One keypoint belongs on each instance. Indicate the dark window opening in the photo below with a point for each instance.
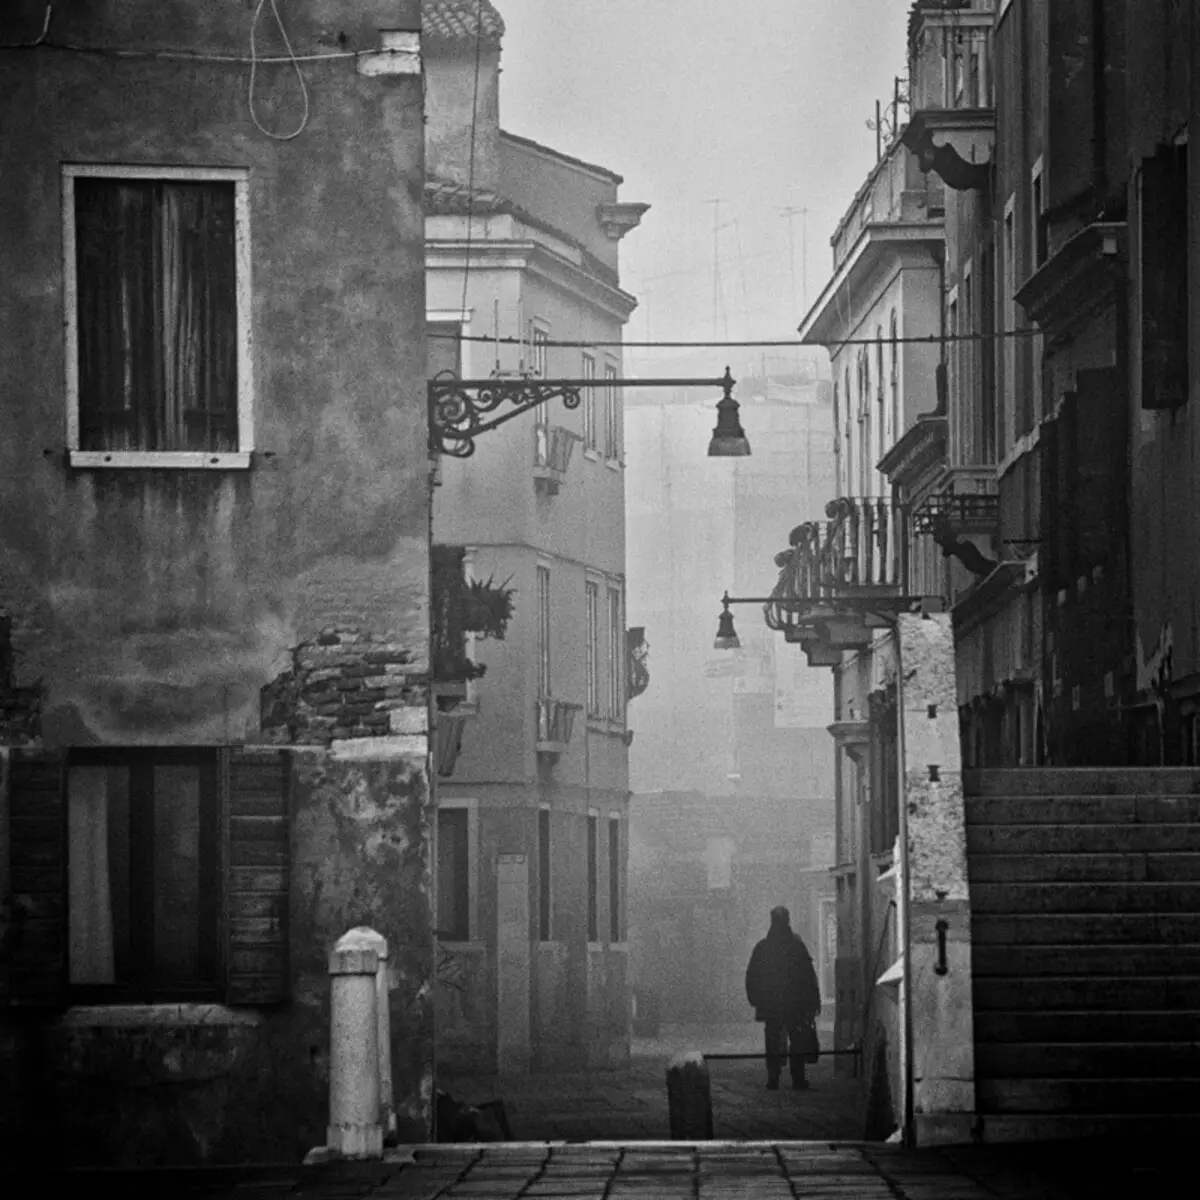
(143, 874)
(616, 924)
(545, 931)
(453, 882)
(593, 879)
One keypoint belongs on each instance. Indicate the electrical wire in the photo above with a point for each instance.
(45, 42)
(279, 137)
(471, 161)
(918, 339)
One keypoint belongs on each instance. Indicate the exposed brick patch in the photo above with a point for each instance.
(343, 684)
(20, 707)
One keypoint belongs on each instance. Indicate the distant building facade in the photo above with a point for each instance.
(728, 745)
(532, 811)
(213, 576)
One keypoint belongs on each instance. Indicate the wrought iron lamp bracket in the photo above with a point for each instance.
(461, 409)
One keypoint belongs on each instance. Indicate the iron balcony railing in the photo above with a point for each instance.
(854, 554)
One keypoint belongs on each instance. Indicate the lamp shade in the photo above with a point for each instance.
(729, 438)
(727, 638)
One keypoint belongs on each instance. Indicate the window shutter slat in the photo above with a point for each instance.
(258, 876)
(36, 937)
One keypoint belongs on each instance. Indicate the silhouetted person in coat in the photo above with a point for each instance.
(782, 986)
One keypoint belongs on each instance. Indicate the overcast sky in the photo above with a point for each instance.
(762, 104)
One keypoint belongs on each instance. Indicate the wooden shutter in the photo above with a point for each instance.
(1164, 281)
(257, 875)
(36, 936)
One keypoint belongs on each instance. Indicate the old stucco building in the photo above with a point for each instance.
(213, 570)
(532, 794)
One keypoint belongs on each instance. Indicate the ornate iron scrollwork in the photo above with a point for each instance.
(459, 411)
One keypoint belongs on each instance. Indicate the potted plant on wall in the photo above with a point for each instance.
(462, 606)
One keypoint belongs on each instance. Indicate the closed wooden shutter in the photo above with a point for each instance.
(258, 876)
(36, 938)
(1164, 281)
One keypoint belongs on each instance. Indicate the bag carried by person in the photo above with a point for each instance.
(810, 1045)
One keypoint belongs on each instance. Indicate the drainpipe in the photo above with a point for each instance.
(903, 922)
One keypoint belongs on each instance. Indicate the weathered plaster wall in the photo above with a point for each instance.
(154, 606)
(939, 913)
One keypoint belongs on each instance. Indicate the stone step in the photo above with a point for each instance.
(1018, 960)
(1064, 809)
(1091, 897)
(1126, 930)
(1087, 1060)
(1064, 1025)
(1081, 781)
(1088, 838)
(1109, 867)
(1128, 1095)
(1100, 994)
(1131, 1128)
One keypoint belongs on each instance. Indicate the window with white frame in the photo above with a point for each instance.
(967, 401)
(1006, 417)
(837, 438)
(1037, 215)
(539, 342)
(545, 867)
(443, 346)
(592, 603)
(847, 438)
(593, 876)
(880, 401)
(589, 403)
(616, 693)
(612, 416)
(616, 910)
(894, 408)
(953, 352)
(453, 874)
(543, 630)
(157, 317)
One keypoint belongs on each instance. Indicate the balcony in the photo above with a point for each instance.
(838, 579)
(555, 724)
(957, 513)
(552, 449)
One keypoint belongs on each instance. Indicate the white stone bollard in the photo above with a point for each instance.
(387, 1106)
(355, 1130)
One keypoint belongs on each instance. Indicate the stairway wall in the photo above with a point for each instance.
(1085, 893)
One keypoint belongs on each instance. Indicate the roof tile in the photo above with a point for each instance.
(456, 20)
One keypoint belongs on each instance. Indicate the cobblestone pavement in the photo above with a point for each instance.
(631, 1104)
(713, 1171)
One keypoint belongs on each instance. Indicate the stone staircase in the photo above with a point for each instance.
(1085, 899)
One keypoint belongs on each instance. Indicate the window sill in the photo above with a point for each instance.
(186, 460)
(143, 1015)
